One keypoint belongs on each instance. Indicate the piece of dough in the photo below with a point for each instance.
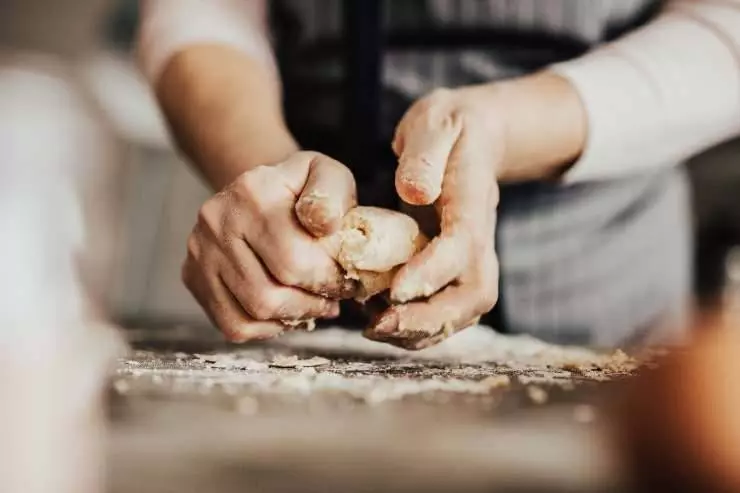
(372, 245)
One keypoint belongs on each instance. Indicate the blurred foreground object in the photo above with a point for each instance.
(681, 422)
(55, 352)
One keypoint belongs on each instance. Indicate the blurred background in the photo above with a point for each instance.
(74, 64)
(160, 196)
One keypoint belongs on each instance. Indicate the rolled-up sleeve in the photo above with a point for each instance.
(662, 93)
(166, 27)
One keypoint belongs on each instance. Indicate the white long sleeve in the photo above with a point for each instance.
(168, 26)
(653, 98)
(662, 93)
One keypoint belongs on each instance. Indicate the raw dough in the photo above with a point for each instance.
(295, 362)
(372, 245)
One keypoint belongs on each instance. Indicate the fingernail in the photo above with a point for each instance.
(416, 188)
(318, 213)
(387, 324)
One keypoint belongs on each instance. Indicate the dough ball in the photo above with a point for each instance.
(372, 245)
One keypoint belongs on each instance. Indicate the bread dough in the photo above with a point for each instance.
(372, 245)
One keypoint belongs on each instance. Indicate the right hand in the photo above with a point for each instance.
(254, 260)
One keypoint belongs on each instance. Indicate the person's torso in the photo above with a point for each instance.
(523, 36)
(591, 263)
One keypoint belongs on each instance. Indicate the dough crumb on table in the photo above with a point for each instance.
(295, 362)
(538, 395)
(338, 367)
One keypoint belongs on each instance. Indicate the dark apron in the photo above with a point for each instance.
(341, 80)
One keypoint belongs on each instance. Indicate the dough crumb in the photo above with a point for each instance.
(496, 382)
(538, 395)
(308, 325)
(295, 362)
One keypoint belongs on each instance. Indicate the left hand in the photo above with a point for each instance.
(449, 146)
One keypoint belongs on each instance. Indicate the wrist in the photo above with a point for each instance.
(224, 110)
(545, 126)
(246, 147)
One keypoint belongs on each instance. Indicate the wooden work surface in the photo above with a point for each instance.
(329, 411)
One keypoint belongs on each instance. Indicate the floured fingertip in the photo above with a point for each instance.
(318, 213)
(417, 188)
(410, 287)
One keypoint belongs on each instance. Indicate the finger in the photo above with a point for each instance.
(470, 193)
(290, 254)
(423, 146)
(444, 314)
(329, 193)
(417, 344)
(438, 264)
(264, 299)
(235, 324)
(325, 190)
(295, 259)
(467, 210)
(223, 310)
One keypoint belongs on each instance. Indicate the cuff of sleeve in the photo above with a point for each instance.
(613, 91)
(168, 26)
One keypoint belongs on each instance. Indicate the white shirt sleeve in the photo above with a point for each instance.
(168, 26)
(662, 93)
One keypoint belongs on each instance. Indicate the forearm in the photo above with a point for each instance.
(211, 65)
(224, 110)
(545, 126)
(662, 93)
(651, 99)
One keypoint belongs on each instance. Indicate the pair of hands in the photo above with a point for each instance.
(254, 260)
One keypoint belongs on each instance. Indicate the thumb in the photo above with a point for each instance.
(328, 193)
(423, 145)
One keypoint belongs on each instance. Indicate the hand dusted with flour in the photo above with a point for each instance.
(253, 266)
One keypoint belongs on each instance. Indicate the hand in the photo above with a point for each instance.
(449, 147)
(254, 262)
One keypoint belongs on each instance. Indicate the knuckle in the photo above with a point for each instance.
(289, 275)
(193, 246)
(462, 240)
(308, 155)
(194, 284)
(488, 297)
(256, 192)
(439, 94)
(249, 184)
(342, 172)
(190, 273)
(397, 143)
(210, 218)
(265, 306)
(186, 273)
(294, 270)
(461, 117)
